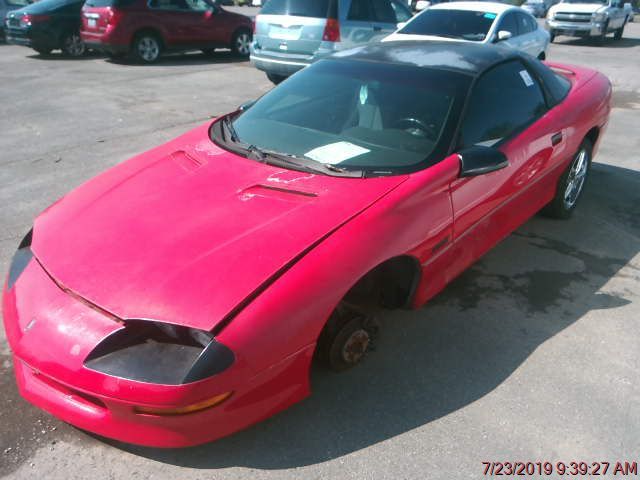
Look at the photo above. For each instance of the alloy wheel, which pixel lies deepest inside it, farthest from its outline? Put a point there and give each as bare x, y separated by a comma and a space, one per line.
576, 178
148, 49
243, 41
73, 45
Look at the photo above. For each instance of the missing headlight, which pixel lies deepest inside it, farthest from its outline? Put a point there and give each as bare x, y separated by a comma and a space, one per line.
161, 353
20, 260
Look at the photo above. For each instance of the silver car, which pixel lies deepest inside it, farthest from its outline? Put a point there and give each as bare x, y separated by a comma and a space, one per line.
291, 34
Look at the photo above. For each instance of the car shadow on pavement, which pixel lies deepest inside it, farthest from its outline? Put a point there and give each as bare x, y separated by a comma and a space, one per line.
608, 43
60, 56
461, 346
182, 59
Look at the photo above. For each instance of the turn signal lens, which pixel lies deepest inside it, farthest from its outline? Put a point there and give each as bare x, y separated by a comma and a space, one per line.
195, 407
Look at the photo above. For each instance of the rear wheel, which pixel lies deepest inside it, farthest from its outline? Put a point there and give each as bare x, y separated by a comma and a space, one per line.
276, 79
542, 56
241, 42
571, 183
72, 45
147, 47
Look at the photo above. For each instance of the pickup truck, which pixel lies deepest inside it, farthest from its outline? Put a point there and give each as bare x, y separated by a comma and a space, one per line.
587, 18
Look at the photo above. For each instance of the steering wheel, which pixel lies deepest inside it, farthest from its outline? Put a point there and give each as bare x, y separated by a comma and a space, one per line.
417, 128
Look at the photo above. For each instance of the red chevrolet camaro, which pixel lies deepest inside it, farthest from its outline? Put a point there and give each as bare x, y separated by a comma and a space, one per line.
182, 295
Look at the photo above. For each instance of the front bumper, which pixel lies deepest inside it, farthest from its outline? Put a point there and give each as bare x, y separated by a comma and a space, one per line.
575, 29
50, 333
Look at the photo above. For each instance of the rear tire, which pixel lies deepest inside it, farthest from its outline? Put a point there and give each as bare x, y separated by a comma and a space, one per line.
276, 79
542, 56
240, 43
73, 46
147, 47
571, 184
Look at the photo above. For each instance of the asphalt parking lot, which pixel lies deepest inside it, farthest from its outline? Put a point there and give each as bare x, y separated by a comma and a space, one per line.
531, 355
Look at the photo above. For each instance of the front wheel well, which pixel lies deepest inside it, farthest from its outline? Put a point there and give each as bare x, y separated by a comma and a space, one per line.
391, 284
592, 135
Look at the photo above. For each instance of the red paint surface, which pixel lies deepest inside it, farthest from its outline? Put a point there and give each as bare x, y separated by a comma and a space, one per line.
187, 232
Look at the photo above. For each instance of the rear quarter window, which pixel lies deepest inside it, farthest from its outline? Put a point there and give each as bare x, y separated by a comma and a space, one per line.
300, 8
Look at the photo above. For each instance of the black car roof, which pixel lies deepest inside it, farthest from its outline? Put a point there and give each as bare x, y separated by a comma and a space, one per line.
464, 57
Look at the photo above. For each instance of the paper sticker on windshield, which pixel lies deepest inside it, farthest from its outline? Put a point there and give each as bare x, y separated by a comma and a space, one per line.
335, 153
526, 78
490, 16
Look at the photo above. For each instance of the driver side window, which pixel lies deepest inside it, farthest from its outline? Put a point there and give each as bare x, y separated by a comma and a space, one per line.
504, 100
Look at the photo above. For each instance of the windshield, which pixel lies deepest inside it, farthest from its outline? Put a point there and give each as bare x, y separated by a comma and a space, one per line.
299, 8
464, 24
367, 116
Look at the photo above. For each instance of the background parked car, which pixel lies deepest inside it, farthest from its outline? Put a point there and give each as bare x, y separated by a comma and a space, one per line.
5, 7
482, 22
587, 18
147, 28
47, 25
537, 8
291, 34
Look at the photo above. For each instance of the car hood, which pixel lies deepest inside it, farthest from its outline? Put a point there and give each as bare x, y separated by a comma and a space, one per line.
577, 8
188, 231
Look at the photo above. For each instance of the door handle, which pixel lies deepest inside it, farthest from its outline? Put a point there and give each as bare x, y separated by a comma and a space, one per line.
556, 139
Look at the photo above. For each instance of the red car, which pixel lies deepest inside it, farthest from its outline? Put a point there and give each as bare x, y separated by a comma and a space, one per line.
147, 28
182, 295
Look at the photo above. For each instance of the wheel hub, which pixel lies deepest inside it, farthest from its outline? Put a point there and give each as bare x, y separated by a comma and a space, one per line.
355, 346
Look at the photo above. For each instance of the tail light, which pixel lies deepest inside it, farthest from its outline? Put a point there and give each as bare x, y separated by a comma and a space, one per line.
331, 31
113, 16
28, 20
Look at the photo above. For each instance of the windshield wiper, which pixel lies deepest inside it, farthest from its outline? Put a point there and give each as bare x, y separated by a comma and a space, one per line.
269, 156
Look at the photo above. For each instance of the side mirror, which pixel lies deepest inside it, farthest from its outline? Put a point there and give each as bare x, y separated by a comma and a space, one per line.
246, 105
503, 35
479, 160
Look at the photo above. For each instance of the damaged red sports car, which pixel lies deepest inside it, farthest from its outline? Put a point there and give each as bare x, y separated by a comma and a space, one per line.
182, 295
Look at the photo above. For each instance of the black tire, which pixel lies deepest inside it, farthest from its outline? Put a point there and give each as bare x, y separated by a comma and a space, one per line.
276, 79
552, 36
147, 47
542, 56
563, 204
240, 42
345, 339
619, 32
42, 50
72, 45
